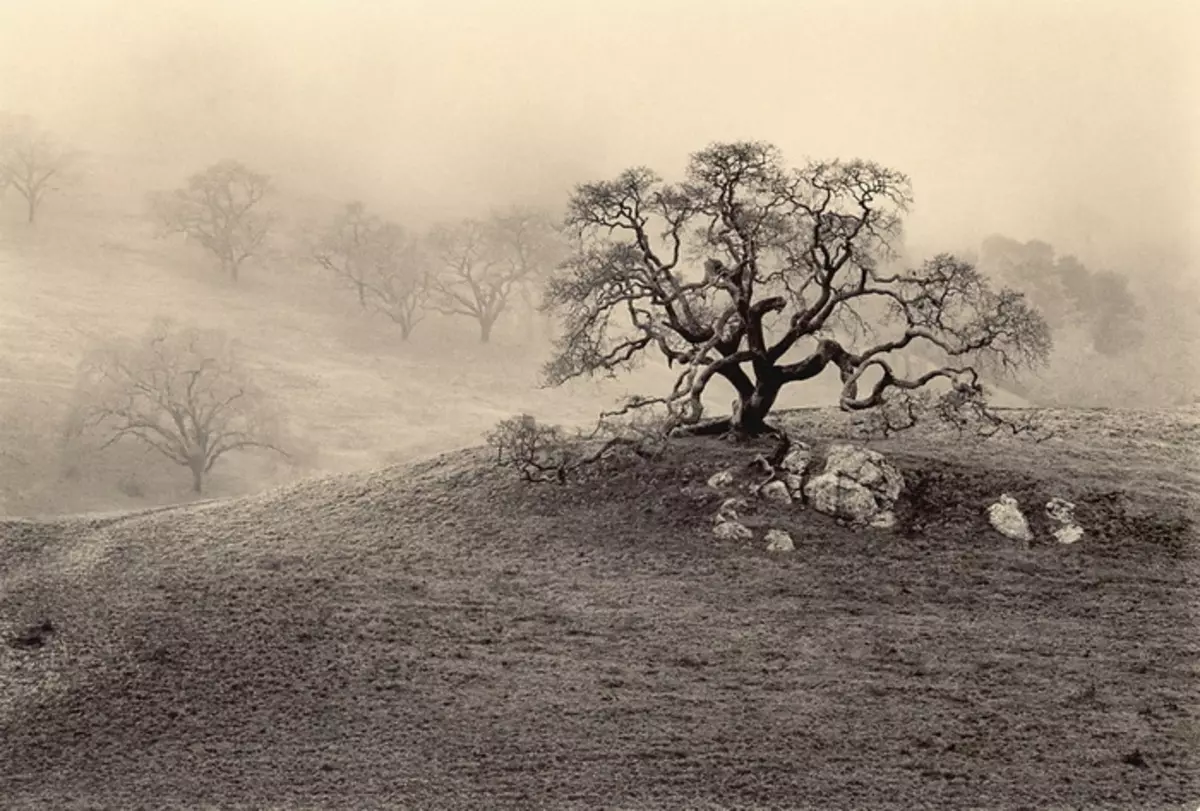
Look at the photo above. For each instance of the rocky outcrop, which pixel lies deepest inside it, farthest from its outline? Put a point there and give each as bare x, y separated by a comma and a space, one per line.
857, 485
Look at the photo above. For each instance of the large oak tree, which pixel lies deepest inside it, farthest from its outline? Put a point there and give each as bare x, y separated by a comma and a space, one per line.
756, 273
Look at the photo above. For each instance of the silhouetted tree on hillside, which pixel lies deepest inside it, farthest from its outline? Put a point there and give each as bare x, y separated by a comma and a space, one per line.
747, 261
31, 161
380, 261
219, 208
180, 392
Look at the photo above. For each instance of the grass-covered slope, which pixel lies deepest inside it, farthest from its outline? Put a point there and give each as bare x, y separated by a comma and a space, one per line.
444, 636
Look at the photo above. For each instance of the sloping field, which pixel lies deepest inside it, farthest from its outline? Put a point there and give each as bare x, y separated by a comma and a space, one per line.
443, 636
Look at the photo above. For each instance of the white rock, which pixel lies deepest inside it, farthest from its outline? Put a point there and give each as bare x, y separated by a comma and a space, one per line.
728, 511
868, 468
884, 520
1006, 518
732, 531
795, 484
721, 480
1061, 510
798, 459
842, 497
1068, 534
776, 491
779, 541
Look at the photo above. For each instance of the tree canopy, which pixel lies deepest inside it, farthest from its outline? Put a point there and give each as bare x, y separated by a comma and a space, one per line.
764, 275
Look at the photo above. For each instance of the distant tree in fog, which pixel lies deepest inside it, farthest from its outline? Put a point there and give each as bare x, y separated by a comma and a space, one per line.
31, 161
380, 262
220, 209
1069, 294
179, 391
481, 264
748, 260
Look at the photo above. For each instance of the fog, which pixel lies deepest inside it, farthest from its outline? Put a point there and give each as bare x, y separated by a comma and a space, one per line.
1076, 124
1071, 122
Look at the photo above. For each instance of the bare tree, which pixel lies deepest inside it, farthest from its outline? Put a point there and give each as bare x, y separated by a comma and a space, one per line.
31, 161
399, 283
219, 208
345, 247
481, 264
532, 245
729, 272
380, 261
180, 392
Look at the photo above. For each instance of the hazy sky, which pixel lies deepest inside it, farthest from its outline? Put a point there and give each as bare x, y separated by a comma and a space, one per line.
1067, 121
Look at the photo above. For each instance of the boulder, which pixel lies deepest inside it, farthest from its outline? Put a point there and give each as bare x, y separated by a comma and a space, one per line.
732, 531
841, 497
728, 511
1063, 512
798, 459
795, 484
1068, 534
777, 492
868, 468
721, 480
1006, 518
779, 541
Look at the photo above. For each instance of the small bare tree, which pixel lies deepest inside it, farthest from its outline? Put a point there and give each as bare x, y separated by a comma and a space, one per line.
31, 160
482, 263
747, 261
219, 208
380, 262
180, 392
345, 247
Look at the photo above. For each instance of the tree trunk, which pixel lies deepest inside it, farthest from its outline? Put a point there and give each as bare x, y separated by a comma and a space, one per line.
485, 329
32, 207
197, 468
749, 417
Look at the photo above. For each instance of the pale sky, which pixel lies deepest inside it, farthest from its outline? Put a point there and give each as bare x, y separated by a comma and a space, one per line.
1073, 122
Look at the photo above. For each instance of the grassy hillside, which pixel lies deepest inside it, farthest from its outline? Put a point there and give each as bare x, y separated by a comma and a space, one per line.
439, 635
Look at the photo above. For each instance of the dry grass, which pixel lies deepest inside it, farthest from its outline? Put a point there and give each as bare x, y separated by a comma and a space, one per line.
442, 636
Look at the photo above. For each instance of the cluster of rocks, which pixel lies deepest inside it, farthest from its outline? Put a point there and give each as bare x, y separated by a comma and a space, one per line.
856, 485
1006, 517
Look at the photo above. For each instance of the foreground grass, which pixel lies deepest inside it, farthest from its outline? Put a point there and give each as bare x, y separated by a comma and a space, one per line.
442, 636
